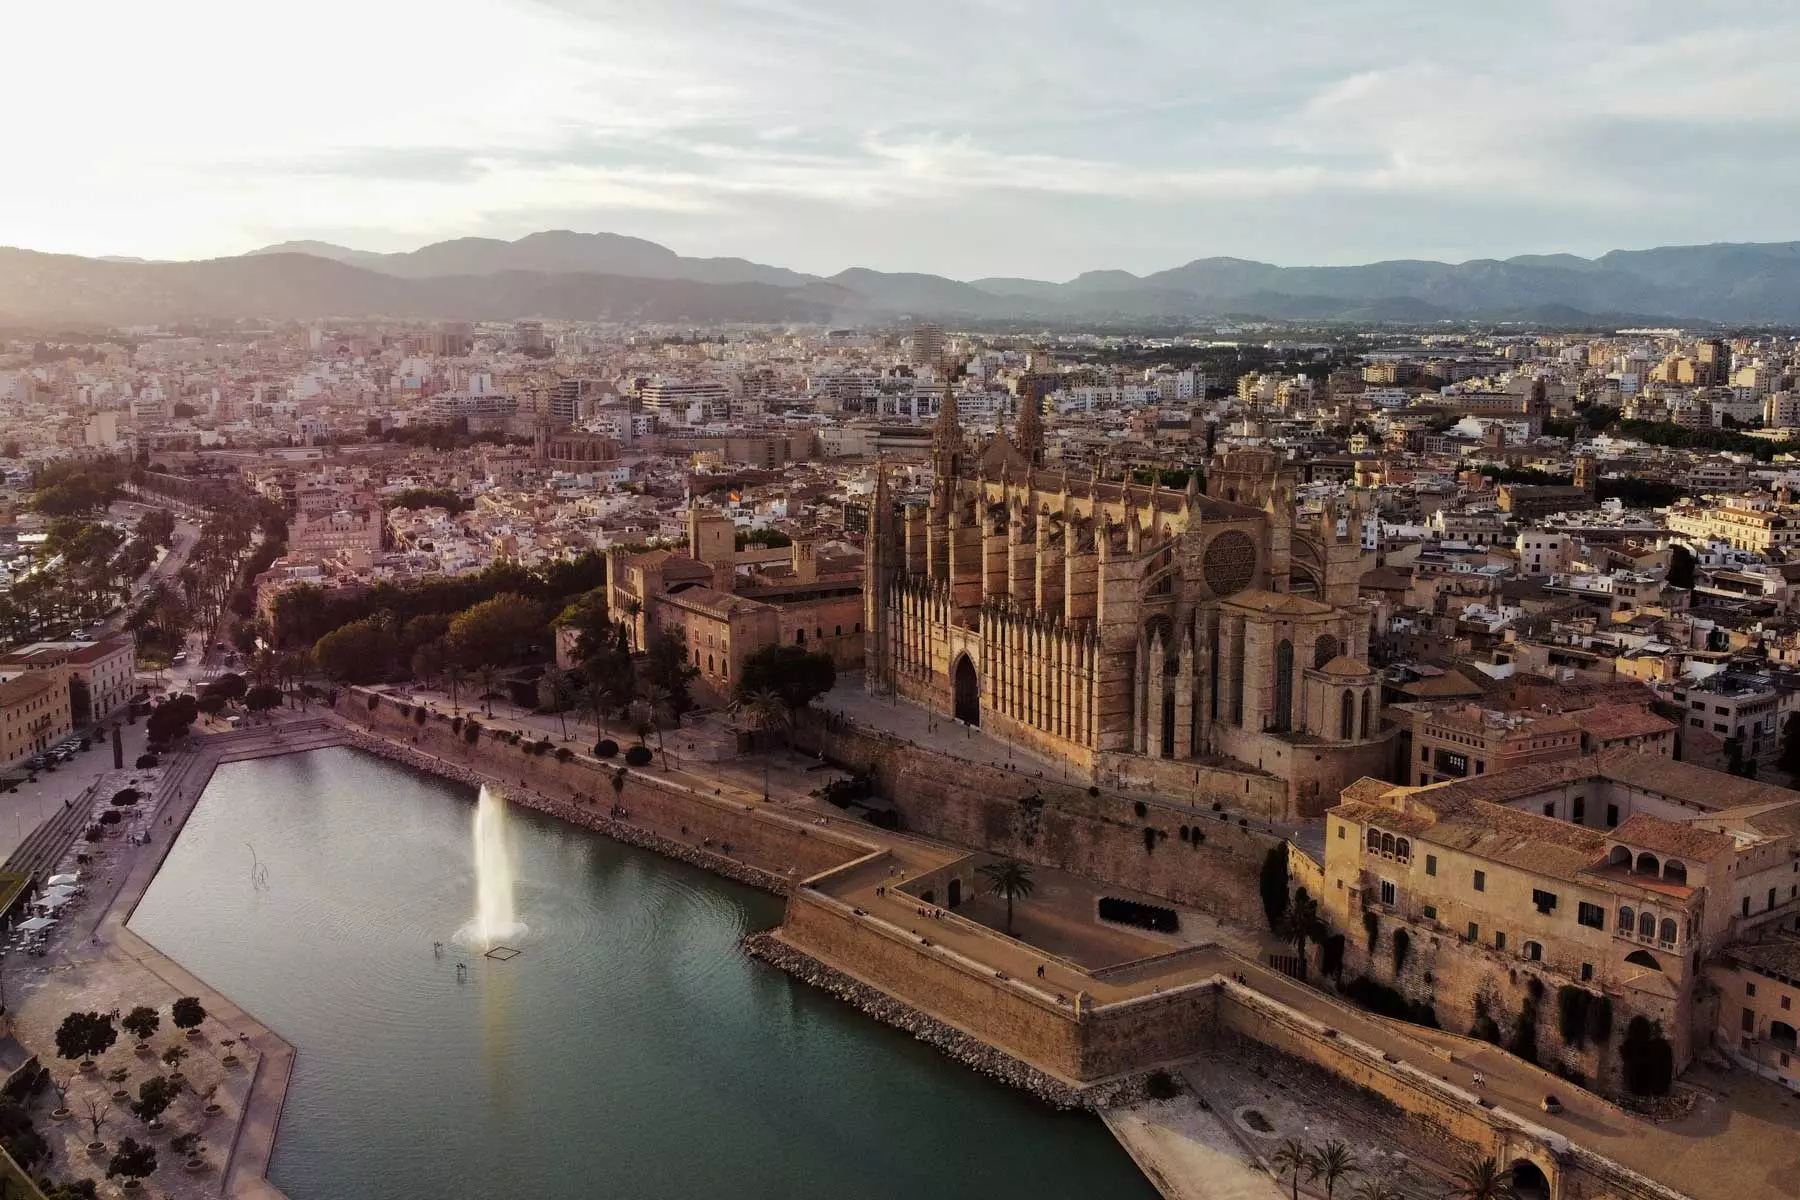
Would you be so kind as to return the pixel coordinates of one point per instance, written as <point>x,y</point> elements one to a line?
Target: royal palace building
<point>1141,633</point>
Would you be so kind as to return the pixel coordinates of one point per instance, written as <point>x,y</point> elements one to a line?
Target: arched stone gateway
<point>968,692</point>
<point>1529,1181</point>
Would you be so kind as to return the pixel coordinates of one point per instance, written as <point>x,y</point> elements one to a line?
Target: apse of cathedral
<point>1125,627</point>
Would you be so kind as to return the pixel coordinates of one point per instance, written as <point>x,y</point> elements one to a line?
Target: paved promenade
<point>98,963</point>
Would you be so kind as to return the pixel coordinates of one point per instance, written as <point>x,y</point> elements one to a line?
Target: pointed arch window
<point>1284,687</point>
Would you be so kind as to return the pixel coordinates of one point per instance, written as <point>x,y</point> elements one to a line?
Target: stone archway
<point>1529,1181</point>
<point>968,692</point>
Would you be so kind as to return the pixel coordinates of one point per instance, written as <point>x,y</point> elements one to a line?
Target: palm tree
<point>1011,880</point>
<point>487,676</point>
<point>632,609</point>
<point>1292,1158</point>
<point>453,675</point>
<point>764,710</point>
<point>598,697</point>
<point>656,696</point>
<point>1331,1162</point>
<point>557,680</point>
<point>1481,1179</point>
<point>1376,1187</point>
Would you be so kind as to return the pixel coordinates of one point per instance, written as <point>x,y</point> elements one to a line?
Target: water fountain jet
<point>495,921</point>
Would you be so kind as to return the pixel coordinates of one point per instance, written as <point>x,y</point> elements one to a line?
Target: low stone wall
<point>1101,1043</point>
<point>795,849</point>
<point>1053,824</point>
<point>971,1052</point>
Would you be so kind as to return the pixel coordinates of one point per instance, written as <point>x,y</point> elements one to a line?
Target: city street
<point>22,811</point>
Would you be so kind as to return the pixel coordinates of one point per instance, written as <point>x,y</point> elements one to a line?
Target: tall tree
<point>1011,880</point>
<point>1481,1179</point>
<point>1291,1158</point>
<point>497,632</point>
<point>794,673</point>
<point>666,667</point>
<point>1331,1163</point>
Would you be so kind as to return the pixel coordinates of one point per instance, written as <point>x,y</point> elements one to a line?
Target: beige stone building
<point>342,529</point>
<point>99,673</point>
<point>1619,874</point>
<point>726,604</point>
<point>1130,629</point>
<point>34,712</point>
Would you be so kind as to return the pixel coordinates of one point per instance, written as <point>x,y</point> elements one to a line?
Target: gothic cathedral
<point>1139,633</point>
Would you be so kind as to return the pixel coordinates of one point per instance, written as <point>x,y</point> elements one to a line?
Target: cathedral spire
<point>947,435</point>
<point>1029,436</point>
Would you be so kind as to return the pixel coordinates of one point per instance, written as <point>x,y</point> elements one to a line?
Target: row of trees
<point>305,614</point>
<point>1333,1163</point>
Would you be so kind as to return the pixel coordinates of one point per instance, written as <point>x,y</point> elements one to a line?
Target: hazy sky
<point>963,137</point>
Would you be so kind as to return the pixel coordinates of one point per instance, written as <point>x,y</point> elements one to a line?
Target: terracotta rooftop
<point>1449,685</point>
<point>1344,665</point>
<point>1780,958</point>
<point>711,601</point>
<point>1610,722</point>
<point>1685,781</point>
<point>1531,842</point>
<point>27,687</point>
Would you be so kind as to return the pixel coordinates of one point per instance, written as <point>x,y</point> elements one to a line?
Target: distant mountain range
<point>559,274</point>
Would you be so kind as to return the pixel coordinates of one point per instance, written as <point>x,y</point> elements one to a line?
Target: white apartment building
<point>686,402</point>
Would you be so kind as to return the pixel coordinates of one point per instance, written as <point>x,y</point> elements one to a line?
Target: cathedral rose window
<point>1230,562</point>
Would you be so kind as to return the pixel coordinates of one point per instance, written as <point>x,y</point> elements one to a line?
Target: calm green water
<point>630,1051</point>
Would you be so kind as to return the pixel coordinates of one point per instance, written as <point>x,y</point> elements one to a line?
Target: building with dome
<point>1194,640</point>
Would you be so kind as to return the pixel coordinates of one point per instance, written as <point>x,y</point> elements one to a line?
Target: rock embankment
<point>969,1051</point>
<point>587,816</point>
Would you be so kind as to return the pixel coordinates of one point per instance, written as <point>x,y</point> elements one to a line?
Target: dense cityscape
<point>1462,662</point>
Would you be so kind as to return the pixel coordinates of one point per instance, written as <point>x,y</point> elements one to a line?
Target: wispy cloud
<point>963,136</point>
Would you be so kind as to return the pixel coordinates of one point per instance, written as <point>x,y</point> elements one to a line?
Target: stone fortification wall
<point>1465,981</point>
<point>1446,1110</point>
<point>929,978</point>
<point>1103,1043</point>
<point>750,831</point>
<point>1050,823</point>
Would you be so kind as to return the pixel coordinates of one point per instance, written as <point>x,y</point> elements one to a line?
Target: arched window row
<point>1389,846</point>
<point>1671,870</point>
<point>1647,926</point>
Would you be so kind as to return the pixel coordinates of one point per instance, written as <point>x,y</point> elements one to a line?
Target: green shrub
<point>605,748</point>
<point>471,731</point>
<point>564,754</point>
<point>1139,808</point>
<point>126,797</point>
<point>638,756</point>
